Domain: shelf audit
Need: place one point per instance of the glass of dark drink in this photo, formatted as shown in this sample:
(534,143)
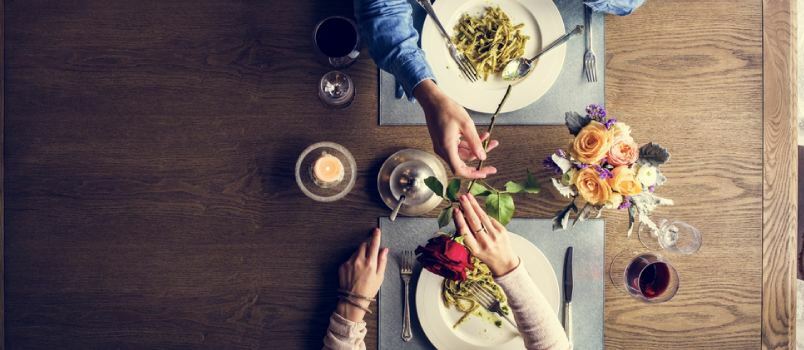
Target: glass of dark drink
(337,41)
(646,276)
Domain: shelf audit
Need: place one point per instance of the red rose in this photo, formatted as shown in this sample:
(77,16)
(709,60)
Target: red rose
(445,257)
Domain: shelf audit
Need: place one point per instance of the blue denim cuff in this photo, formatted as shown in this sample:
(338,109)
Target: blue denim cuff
(411,70)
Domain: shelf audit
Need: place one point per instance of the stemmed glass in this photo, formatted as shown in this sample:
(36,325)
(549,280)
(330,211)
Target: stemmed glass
(673,236)
(646,276)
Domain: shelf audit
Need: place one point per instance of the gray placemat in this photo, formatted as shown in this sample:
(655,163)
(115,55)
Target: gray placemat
(588,270)
(570,92)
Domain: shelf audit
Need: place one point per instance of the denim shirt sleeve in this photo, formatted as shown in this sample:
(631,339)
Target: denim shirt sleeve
(387,28)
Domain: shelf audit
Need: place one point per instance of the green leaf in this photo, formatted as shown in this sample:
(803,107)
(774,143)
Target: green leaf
(452,189)
(501,207)
(434,185)
(479,190)
(531,185)
(445,217)
(514,187)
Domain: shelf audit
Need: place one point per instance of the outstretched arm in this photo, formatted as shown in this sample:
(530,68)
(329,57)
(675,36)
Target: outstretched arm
(387,28)
(359,279)
(488,240)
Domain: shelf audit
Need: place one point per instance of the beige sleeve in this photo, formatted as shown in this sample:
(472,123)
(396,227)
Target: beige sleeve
(535,318)
(344,334)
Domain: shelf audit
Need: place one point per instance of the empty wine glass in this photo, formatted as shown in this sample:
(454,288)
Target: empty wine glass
(646,276)
(674,236)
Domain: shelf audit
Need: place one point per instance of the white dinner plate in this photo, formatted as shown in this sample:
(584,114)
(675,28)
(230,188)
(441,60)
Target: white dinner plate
(543,24)
(475,333)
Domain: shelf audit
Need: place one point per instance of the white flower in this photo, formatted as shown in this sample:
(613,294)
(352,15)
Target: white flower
(564,190)
(569,177)
(614,201)
(647,175)
(562,162)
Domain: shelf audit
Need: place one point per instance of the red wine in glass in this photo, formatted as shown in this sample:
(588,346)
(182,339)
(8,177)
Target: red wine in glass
(651,278)
(336,38)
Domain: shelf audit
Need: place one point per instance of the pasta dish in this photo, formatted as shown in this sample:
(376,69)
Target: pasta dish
(459,294)
(490,40)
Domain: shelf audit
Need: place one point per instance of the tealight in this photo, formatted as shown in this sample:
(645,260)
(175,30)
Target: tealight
(328,170)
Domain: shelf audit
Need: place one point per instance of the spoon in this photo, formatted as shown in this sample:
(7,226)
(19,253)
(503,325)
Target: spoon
(398,206)
(520,67)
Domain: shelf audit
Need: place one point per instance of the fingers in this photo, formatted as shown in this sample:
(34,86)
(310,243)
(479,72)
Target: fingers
(462,227)
(469,133)
(497,225)
(361,251)
(472,218)
(466,153)
(374,245)
(382,261)
(484,218)
(460,169)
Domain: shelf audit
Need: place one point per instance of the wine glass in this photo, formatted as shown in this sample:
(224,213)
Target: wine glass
(337,41)
(644,275)
(674,236)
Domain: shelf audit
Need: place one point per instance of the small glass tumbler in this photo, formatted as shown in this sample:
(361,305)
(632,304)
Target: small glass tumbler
(336,90)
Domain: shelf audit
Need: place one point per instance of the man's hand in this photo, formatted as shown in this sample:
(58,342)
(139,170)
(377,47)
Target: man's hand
(453,132)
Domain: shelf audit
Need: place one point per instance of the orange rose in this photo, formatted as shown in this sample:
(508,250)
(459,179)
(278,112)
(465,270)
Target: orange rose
(623,152)
(624,181)
(592,143)
(591,187)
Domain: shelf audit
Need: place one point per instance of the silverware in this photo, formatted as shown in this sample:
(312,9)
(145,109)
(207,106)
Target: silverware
(406,271)
(568,294)
(489,302)
(520,67)
(463,63)
(589,65)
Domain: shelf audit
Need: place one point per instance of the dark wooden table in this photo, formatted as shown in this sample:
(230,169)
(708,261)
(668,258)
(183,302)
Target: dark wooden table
(149,146)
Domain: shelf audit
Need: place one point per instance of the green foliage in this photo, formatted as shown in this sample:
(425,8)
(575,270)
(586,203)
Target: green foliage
(453,188)
(434,185)
(500,206)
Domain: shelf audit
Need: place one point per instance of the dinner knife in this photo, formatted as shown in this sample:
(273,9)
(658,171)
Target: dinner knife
(568,294)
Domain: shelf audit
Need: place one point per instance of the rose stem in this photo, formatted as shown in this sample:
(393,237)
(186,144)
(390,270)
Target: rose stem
(491,128)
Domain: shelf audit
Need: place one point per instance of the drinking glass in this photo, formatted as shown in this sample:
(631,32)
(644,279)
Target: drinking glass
(337,41)
(336,89)
(644,275)
(672,235)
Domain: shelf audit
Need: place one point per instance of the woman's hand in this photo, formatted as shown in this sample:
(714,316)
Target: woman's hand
(362,274)
(486,238)
(453,132)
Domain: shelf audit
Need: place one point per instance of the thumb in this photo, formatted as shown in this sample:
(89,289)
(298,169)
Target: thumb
(469,133)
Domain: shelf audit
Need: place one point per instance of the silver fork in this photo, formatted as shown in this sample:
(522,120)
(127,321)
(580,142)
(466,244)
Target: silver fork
(589,65)
(405,272)
(489,302)
(464,65)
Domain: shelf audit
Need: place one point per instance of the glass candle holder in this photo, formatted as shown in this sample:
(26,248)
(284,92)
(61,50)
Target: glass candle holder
(326,171)
(336,90)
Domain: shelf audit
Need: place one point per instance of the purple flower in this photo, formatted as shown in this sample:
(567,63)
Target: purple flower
(596,112)
(652,188)
(604,173)
(560,152)
(581,166)
(625,204)
(609,123)
(551,165)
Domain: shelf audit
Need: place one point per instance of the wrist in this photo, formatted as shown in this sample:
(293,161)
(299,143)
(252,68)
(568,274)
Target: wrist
(505,266)
(351,312)
(428,94)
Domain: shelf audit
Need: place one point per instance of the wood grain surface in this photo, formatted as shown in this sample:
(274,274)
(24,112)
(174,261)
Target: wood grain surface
(780,197)
(150,148)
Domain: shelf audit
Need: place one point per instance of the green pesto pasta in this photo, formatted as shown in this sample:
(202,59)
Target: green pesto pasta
(459,295)
(490,40)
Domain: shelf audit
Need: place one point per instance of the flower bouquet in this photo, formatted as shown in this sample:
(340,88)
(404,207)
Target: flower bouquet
(607,169)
